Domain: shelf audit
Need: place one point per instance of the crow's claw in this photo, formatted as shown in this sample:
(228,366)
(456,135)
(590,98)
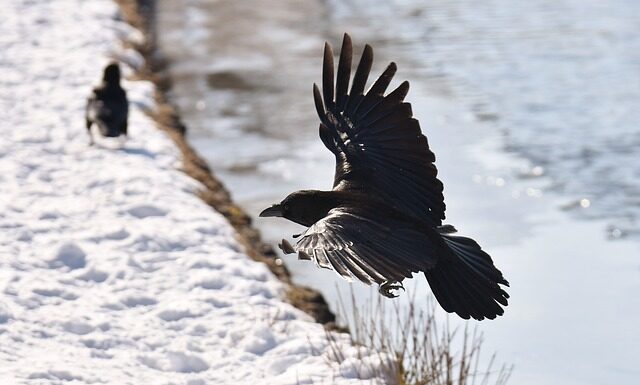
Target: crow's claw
(387,286)
(286,247)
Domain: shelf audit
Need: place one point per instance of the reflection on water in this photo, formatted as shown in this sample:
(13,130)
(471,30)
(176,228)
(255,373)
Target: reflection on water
(529,109)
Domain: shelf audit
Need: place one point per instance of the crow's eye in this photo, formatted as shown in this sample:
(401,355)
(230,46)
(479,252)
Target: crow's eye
(285,207)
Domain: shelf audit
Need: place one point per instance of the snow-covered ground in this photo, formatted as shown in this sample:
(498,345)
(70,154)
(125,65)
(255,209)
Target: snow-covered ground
(111,269)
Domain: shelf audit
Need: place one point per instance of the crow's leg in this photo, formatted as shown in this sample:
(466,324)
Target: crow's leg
(387,286)
(123,133)
(89,123)
(286,247)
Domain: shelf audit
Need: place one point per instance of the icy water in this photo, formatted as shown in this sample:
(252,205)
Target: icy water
(531,109)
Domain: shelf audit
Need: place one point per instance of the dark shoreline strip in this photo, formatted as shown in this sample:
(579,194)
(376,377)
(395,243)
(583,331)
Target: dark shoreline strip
(140,14)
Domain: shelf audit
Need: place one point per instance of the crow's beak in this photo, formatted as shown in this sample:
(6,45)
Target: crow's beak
(273,211)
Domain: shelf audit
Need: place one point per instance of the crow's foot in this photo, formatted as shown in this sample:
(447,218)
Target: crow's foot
(387,286)
(286,247)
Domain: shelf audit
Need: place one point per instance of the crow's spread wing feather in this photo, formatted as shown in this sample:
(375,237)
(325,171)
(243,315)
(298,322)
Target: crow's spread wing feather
(351,242)
(378,145)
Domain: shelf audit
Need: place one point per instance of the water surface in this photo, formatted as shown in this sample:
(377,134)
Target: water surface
(531,110)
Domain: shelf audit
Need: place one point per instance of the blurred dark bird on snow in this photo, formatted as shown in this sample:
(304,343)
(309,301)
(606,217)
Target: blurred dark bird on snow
(382,221)
(107,106)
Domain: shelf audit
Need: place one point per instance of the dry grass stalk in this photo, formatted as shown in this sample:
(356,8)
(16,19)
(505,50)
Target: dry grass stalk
(413,348)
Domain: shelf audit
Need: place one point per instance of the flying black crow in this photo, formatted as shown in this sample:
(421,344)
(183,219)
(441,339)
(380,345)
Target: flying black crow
(107,106)
(382,221)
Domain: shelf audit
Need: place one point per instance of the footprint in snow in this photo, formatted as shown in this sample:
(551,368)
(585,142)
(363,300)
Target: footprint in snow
(49,216)
(55,292)
(257,341)
(176,362)
(94,276)
(77,327)
(144,211)
(205,264)
(5,314)
(69,255)
(176,314)
(212,283)
(138,300)
(56,375)
(139,151)
(116,235)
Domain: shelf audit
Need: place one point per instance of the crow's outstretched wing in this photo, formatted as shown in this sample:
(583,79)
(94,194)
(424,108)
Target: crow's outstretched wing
(351,242)
(378,145)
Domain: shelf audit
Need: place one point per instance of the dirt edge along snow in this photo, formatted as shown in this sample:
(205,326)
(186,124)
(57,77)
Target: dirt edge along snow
(140,14)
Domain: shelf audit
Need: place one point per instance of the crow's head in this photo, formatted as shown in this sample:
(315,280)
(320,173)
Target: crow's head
(304,207)
(112,74)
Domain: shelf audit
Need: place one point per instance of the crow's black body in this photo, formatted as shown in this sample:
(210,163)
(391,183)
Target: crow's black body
(107,106)
(382,221)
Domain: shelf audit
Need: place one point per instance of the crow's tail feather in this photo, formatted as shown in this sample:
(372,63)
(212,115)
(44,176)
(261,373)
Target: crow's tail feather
(467,282)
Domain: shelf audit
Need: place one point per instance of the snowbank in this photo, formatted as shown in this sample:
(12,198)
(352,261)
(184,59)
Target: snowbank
(111,269)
